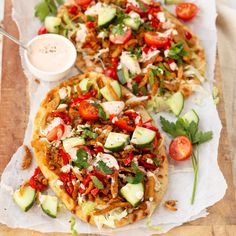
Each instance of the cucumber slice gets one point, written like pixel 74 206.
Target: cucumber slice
pixel 123 74
pixel 191 116
pixel 113 108
pixel 72 142
pixel 106 15
pixel 88 207
pixel 176 103
pixel 142 137
pixel 85 84
pixel 133 193
pixel 171 2
pixel 52 24
pixel 49 205
pixel 116 141
pixel 133 23
pixel 106 93
pixel 24 197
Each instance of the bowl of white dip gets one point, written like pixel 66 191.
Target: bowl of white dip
pixel 50 57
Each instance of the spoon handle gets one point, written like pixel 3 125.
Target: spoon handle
pixel 15 40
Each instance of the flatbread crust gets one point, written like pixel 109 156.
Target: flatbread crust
pixel 40 148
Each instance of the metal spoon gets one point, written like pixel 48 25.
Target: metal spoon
pixel 12 38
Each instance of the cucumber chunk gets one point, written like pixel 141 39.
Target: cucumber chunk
pixel 24 197
pixel 142 137
pixel 113 108
pixel 85 84
pixel 72 142
pixel 191 116
pixel 133 23
pixel 123 74
pixel 176 103
pixel 52 24
pixel 106 93
pixel 116 141
pixel 49 205
pixel 133 193
pixel 106 15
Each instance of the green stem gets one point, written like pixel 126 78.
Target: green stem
pixel 195 169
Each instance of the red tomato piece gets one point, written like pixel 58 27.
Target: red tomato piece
pixel 73 9
pixel 88 111
pixel 121 39
pixel 142 9
pixel 90 24
pixel 42 30
pixel 62 115
pixel 180 148
pixel 83 2
pixel 188 35
pixel 83 97
pixel 122 124
pixel 34 182
pixel 114 61
pixel 95 191
pixel 111 72
pixel 186 11
pixel 65 156
pixel 56 133
pixel 152 39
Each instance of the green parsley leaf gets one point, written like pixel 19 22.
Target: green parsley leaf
pixel 118 30
pixel 97 182
pixel 82 159
pixel 163 68
pixel 88 133
pixel 141 5
pixel 137 52
pixel 91 18
pixel 139 175
pixel 135 88
pixel 201 137
pixel 64 101
pixel 148 27
pixel 101 166
pixel 151 77
pixel 120 16
pixel 101 113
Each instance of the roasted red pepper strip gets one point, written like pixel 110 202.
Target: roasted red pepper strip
pixel 62 115
pixel 95 191
pixel 133 115
pixel 65 156
pixel 147 165
pixel 121 123
pixel 83 97
pixel 67 178
pixel 34 183
pixel 85 183
pixel 129 159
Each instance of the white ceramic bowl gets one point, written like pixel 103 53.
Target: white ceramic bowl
pixel 55 75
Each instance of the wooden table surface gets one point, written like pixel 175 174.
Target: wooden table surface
pixel 14 107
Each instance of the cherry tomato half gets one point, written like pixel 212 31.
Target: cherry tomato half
pixel 186 11
pixel 88 111
pixel 111 72
pixel 152 39
pixel 121 39
pixel 56 133
pixel 73 9
pixel 42 30
pixel 180 148
pixel 83 2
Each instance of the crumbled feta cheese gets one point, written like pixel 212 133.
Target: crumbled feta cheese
pixel 137 120
pixel 166 52
pixel 149 55
pixel 149 161
pixel 173 66
pixel 66 168
pixel 129 84
pixel 133 3
pixel 81 33
pixel 108 159
pixel 82 186
pixel 102 34
pixel 114 120
pixel 62 106
pixel 167 25
pixel 62 93
pixel 161 17
pixel 55 122
pixel 130 62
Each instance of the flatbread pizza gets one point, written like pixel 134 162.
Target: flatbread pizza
pixel 137 42
pixel 102 156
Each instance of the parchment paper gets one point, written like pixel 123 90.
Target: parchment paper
pixel 211 183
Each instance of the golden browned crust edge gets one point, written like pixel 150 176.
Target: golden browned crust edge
pixel 40 148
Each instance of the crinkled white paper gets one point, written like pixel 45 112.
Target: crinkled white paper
pixel 211 183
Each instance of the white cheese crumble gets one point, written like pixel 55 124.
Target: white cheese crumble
pixel 161 17
pixel 149 55
pixel 66 168
pixel 102 35
pixel 108 159
pixel 62 93
pixel 81 33
pixel 57 182
pixel 166 52
pixel 67 132
pixel 133 2
pixel 114 119
pixel 130 62
pixel 149 161
pixel 173 66
pixel 55 122
pixel 62 106
pixel 137 120
pixel 95 9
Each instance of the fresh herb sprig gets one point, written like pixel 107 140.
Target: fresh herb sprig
pixel 88 133
pixel 101 112
pixel 102 166
pixel 82 159
pixel 139 175
pixel 191 130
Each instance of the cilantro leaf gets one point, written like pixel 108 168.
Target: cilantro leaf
pixel 101 166
pixel 135 88
pixel 87 132
pixel 101 113
pixel 91 18
pixel 202 137
pixel 137 52
pixel 82 159
pixel 148 27
pixel 139 175
pixel 97 182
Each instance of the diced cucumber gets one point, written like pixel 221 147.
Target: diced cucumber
pixel 106 93
pixel 116 141
pixel 171 2
pixel 72 142
pixel 133 23
pixel 24 197
pixel 85 84
pixel 52 24
pixel 133 193
pixel 176 103
pixel 123 74
pixel 191 116
pixel 106 15
pixel 88 207
pixel 49 205
pixel 142 137
pixel 113 108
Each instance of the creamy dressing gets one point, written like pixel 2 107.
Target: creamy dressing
pixel 50 54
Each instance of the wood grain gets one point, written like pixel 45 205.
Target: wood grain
pixel 13 120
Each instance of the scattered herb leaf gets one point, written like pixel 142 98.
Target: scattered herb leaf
pixel 101 166
pixel 139 175
pixel 118 30
pixel 101 112
pixel 97 182
pixel 88 133
pixel 82 159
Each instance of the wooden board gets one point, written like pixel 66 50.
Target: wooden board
pixel 13 120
